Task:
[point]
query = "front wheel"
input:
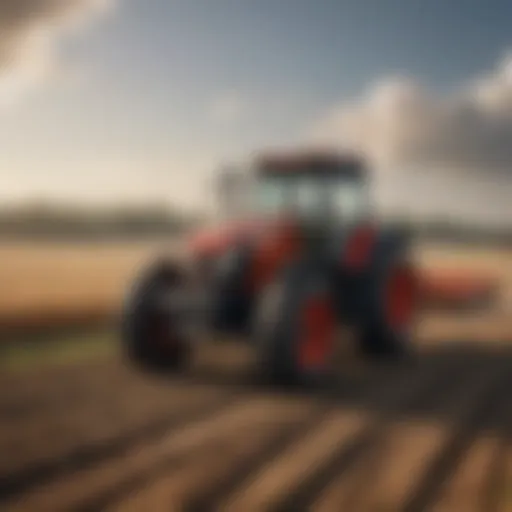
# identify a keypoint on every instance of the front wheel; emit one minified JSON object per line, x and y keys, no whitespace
{"x":294,"y":329}
{"x":153,"y":324}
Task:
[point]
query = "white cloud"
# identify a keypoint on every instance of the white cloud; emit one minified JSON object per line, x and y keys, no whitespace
{"x":400,"y":123}
{"x":30,"y":31}
{"x":228,"y":108}
{"x":447,"y":155}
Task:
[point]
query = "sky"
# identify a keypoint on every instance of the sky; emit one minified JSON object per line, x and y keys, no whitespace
{"x":143,"y":100}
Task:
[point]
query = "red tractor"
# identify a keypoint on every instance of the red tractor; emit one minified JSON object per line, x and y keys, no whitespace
{"x":305,"y":261}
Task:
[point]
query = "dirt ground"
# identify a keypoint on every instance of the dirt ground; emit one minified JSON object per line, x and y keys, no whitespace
{"x":432,"y":435}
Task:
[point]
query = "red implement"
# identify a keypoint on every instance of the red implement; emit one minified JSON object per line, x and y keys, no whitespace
{"x":451,"y":288}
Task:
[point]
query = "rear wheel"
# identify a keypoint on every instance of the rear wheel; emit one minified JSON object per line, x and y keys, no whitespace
{"x":154,"y":335}
{"x":388,"y":327}
{"x":295,"y":329}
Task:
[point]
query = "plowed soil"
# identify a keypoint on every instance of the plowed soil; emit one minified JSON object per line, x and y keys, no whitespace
{"x":433,"y":435}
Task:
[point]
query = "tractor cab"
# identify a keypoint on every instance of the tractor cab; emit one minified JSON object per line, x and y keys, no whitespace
{"x":313,"y":188}
{"x":317,"y":192}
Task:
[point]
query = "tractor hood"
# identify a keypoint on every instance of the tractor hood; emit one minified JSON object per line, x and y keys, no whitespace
{"x":213,"y":240}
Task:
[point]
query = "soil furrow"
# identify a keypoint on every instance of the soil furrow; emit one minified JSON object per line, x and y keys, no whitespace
{"x":14,"y":484}
{"x":470,"y":412}
{"x":211,"y":494}
{"x":394,"y":398}
{"x":498,"y":484}
{"x":212,"y":465}
{"x":348,"y":490}
{"x":412,"y":447}
{"x":275,"y":480}
{"x":472,"y":486}
{"x":434,"y":436}
{"x":113,"y":411}
{"x":89,"y":488}
{"x":465,"y":488}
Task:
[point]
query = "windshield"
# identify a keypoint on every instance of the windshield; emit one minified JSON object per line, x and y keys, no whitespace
{"x":310,"y":196}
{"x":271,"y":196}
{"x":349,"y":199}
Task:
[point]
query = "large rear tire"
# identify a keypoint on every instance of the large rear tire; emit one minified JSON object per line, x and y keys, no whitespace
{"x":294,"y":329}
{"x":390,"y":313}
{"x":153,"y":334}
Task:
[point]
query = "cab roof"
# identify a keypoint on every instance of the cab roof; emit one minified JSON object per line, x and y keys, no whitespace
{"x":309,"y":162}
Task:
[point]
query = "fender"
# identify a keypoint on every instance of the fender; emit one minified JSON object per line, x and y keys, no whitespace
{"x":212,"y":241}
{"x":271,"y":252}
{"x":356,"y":254}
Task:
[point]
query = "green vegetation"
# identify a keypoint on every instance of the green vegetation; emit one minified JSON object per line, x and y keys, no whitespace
{"x":30,"y":354}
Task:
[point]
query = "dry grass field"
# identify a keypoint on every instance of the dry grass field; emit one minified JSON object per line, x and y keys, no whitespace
{"x":51,"y":282}
{"x":47,"y":284}
{"x":99,"y":435}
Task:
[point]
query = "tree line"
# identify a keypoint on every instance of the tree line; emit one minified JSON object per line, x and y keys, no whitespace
{"x":40,"y":220}
{"x":46,"y":220}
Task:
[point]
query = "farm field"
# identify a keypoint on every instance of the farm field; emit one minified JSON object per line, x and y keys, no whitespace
{"x":53,"y":283}
{"x":49,"y":284}
{"x":100,"y":436}
{"x":96,"y":434}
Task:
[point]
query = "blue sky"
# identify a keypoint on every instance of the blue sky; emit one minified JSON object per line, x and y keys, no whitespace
{"x":153,"y":95}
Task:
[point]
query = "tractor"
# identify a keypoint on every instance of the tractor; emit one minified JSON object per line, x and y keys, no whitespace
{"x":304,"y":261}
